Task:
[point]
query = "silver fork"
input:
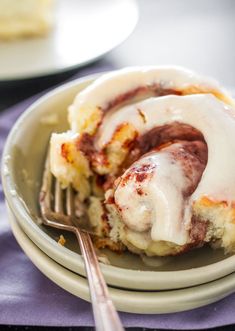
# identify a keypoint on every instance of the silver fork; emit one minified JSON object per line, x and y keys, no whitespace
{"x":60,"y":213}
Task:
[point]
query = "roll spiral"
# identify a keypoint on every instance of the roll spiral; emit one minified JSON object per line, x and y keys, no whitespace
{"x":151,"y":153}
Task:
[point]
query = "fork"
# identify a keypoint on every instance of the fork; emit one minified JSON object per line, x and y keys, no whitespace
{"x":58,"y":211}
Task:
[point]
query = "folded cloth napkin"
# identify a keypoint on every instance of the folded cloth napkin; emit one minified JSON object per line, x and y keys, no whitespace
{"x":27,"y":297}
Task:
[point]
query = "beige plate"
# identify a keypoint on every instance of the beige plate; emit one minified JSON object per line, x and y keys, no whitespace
{"x":128,"y":301}
{"x":22,"y":168}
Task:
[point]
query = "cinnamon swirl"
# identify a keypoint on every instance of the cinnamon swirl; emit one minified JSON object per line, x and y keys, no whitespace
{"x":151,"y":154}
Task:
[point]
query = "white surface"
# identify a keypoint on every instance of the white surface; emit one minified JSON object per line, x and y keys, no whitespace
{"x":84,"y":31}
{"x":197,"y":34}
{"x":128,"y":301}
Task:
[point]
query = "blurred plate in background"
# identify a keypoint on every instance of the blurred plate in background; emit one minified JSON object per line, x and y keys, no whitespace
{"x":83,"y":32}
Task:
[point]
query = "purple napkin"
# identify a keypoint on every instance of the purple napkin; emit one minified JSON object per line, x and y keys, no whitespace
{"x":27,"y":297}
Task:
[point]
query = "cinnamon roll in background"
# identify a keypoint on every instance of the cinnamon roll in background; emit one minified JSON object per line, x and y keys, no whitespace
{"x":151,"y":153}
{"x":25,"y":18}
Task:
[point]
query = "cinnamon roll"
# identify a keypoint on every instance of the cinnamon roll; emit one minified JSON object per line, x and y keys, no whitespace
{"x":151,"y":154}
{"x":25,"y":18}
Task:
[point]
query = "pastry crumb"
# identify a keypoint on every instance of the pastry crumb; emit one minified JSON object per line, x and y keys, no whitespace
{"x":62,"y":240}
{"x":39,"y":221}
{"x":102,"y":258}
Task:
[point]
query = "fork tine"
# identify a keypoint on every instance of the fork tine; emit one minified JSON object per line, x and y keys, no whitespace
{"x":58,"y":198}
{"x":70,"y":201}
{"x":70,"y":206}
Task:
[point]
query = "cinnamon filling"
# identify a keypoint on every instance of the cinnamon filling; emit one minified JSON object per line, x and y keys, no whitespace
{"x":138,"y":94}
{"x":158,"y":137}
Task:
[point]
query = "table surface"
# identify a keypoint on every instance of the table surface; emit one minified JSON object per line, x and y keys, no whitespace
{"x":197,"y":34}
{"x":37,"y":328}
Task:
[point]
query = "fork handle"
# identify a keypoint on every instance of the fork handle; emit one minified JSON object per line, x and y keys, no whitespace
{"x":105,"y":315}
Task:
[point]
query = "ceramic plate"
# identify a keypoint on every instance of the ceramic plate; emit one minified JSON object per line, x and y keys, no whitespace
{"x":128,"y":301}
{"x":23,"y":161}
{"x":83,"y":32}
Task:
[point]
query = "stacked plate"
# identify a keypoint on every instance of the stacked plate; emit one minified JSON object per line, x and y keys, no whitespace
{"x":136,"y":285}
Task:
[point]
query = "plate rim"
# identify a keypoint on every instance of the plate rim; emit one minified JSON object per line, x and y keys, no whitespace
{"x":130,"y":301}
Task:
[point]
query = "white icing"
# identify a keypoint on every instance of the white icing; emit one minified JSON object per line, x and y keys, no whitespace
{"x":113,"y":84}
{"x":160,"y":206}
{"x":206,"y":113}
